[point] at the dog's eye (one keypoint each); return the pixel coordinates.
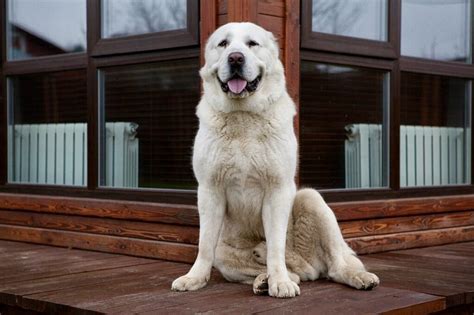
(252, 43)
(222, 43)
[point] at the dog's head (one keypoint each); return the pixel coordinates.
(242, 63)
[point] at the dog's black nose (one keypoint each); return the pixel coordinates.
(236, 59)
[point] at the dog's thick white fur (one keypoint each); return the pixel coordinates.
(254, 224)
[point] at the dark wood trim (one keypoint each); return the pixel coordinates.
(103, 243)
(46, 64)
(172, 196)
(292, 60)
(359, 61)
(207, 23)
(394, 129)
(153, 41)
(387, 242)
(3, 99)
(445, 68)
(350, 45)
(145, 57)
(93, 30)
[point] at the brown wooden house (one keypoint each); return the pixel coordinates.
(98, 118)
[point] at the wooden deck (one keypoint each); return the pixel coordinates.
(40, 279)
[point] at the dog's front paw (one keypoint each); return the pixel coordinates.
(188, 283)
(260, 253)
(364, 280)
(282, 287)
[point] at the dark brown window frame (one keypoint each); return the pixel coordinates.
(352, 45)
(143, 42)
(347, 51)
(101, 53)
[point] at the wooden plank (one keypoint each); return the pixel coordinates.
(144, 288)
(276, 25)
(142, 230)
(401, 207)
(291, 58)
(222, 6)
(188, 215)
(386, 242)
(103, 243)
(271, 7)
(424, 276)
(143, 211)
(209, 24)
(357, 228)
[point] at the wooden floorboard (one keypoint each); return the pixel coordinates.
(446, 270)
(46, 280)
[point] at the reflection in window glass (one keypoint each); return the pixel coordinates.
(48, 27)
(355, 18)
(133, 17)
(148, 124)
(342, 126)
(435, 131)
(47, 131)
(437, 29)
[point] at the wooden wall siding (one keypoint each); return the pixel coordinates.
(170, 231)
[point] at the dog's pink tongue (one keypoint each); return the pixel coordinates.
(237, 85)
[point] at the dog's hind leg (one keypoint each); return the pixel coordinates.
(318, 239)
(242, 264)
(237, 264)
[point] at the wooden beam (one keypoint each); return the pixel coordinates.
(357, 228)
(188, 215)
(104, 226)
(102, 243)
(396, 241)
(242, 11)
(209, 10)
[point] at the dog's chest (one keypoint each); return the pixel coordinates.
(249, 153)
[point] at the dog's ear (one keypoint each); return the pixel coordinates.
(273, 45)
(211, 56)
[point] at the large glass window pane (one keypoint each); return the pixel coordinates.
(47, 27)
(343, 126)
(356, 18)
(435, 131)
(148, 124)
(47, 130)
(437, 29)
(133, 17)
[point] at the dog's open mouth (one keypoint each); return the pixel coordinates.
(237, 84)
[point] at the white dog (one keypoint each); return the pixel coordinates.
(253, 222)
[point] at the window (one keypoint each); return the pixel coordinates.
(100, 97)
(342, 129)
(131, 17)
(386, 97)
(48, 128)
(435, 130)
(437, 29)
(359, 27)
(43, 28)
(148, 124)
(354, 18)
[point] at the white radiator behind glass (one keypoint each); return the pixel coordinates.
(57, 154)
(428, 156)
